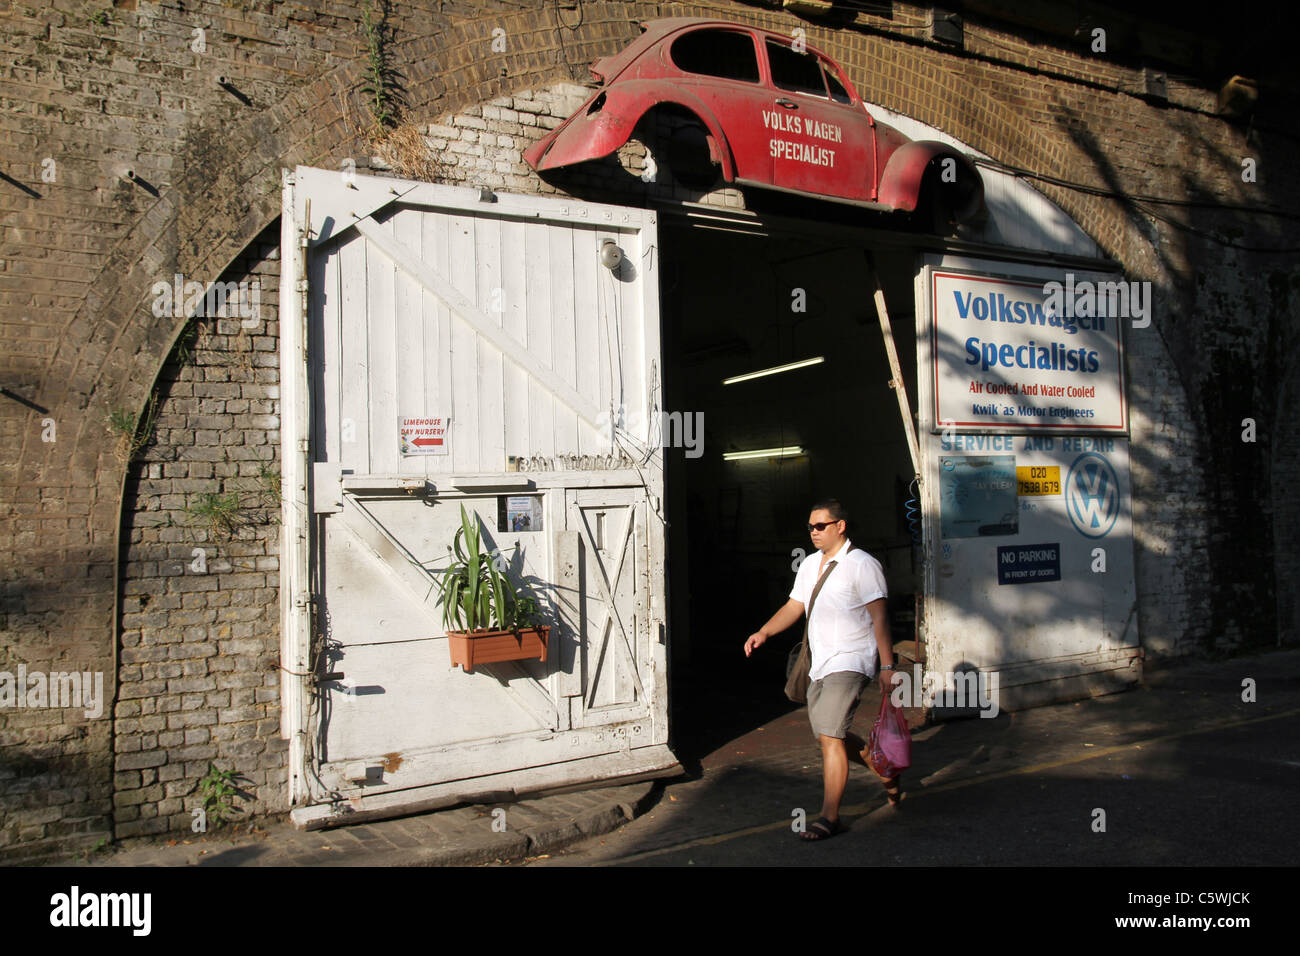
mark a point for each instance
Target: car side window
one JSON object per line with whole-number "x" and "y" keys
{"x": 838, "y": 93}
{"x": 721, "y": 53}
{"x": 797, "y": 72}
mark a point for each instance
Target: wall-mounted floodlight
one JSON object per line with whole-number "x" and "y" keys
{"x": 788, "y": 451}
{"x": 773, "y": 371}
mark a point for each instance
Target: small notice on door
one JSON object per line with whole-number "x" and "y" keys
{"x": 979, "y": 495}
{"x": 1027, "y": 563}
{"x": 423, "y": 435}
{"x": 519, "y": 512}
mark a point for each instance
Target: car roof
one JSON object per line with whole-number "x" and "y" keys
{"x": 607, "y": 68}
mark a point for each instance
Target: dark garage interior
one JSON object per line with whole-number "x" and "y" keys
{"x": 735, "y": 301}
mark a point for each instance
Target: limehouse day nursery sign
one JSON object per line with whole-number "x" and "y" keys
{"x": 1016, "y": 355}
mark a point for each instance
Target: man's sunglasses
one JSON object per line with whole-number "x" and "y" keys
{"x": 822, "y": 525}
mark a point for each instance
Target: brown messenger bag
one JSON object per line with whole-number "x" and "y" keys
{"x": 799, "y": 663}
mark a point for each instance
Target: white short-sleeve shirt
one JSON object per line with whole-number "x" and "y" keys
{"x": 840, "y": 634}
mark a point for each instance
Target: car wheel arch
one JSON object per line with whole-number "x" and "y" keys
{"x": 905, "y": 177}
{"x": 717, "y": 147}
{"x": 626, "y": 104}
{"x": 683, "y": 104}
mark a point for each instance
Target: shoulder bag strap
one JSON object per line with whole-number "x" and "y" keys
{"x": 813, "y": 600}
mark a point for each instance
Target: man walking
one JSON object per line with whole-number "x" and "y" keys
{"x": 848, "y": 637}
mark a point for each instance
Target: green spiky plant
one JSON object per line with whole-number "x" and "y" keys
{"x": 476, "y": 594}
{"x": 380, "y": 76}
{"x": 220, "y": 513}
{"x": 269, "y": 480}
{"x": 132, "y": 432}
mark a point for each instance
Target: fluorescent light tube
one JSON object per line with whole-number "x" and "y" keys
{"x": 773, "y": 371}
{"x": 786, "y": 452}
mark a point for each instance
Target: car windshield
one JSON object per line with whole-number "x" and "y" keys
{"x": 721, "y": 53}
{"x": 797, "y": 72}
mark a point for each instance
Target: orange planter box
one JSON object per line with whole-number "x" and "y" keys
{"x": 471, "y": 648}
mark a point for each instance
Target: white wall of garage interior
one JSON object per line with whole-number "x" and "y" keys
{"x": 495, "y": 311}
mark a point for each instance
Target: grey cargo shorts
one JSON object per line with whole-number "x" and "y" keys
{"x": 833, "y": 700}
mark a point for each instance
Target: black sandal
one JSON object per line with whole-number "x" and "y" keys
{"x": 893, "y": 789}
{"x": 825, "y": 830}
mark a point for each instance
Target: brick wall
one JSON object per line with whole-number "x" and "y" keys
{"x": 199, "y": 660}
{"x": 96, "y": 88}
{"x": 483, "y": 145}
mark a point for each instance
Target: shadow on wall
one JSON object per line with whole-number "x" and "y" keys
{"x": 1230, "y": 339}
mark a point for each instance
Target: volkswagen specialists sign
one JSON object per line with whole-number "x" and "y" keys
{"x": 1030, "y": 356}
{"x": 1092, "y": 495}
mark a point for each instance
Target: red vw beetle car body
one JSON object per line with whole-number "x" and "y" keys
{"x": 775, "y": 117}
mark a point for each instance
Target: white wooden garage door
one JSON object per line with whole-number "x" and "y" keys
{"x": 496, "y": 314}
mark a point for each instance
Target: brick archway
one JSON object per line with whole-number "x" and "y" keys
{"x": 64, "y": 497}
{"x": 112, "y": 349}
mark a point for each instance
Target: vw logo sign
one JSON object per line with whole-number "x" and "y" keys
{"x": 1092, "y": 495}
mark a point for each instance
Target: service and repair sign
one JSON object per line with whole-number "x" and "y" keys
{"x": 1017, "y": 355}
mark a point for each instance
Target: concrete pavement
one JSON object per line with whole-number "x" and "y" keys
{"x": 464, "y": 836}
{"x": 1186, "y": 771}
{"x": 1182, "y": 770}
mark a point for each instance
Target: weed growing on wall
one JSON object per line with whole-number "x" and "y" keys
{"x": 218, "y": 789}
{"x": 132, "y": 431}
{"x": 269, "y": 478}
{"x": 404, "y": 149}
{"x": 394, "y": 140}
{"x": 224, "y": 514}
{"x": 381, "y": 86}
{"x": 220, "y": 514}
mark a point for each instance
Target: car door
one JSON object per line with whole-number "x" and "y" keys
{"x": 823, "y": 142}
{"x": 721, "y": 68}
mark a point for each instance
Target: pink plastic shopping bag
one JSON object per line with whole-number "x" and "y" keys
{"x": 889, "y": 751}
